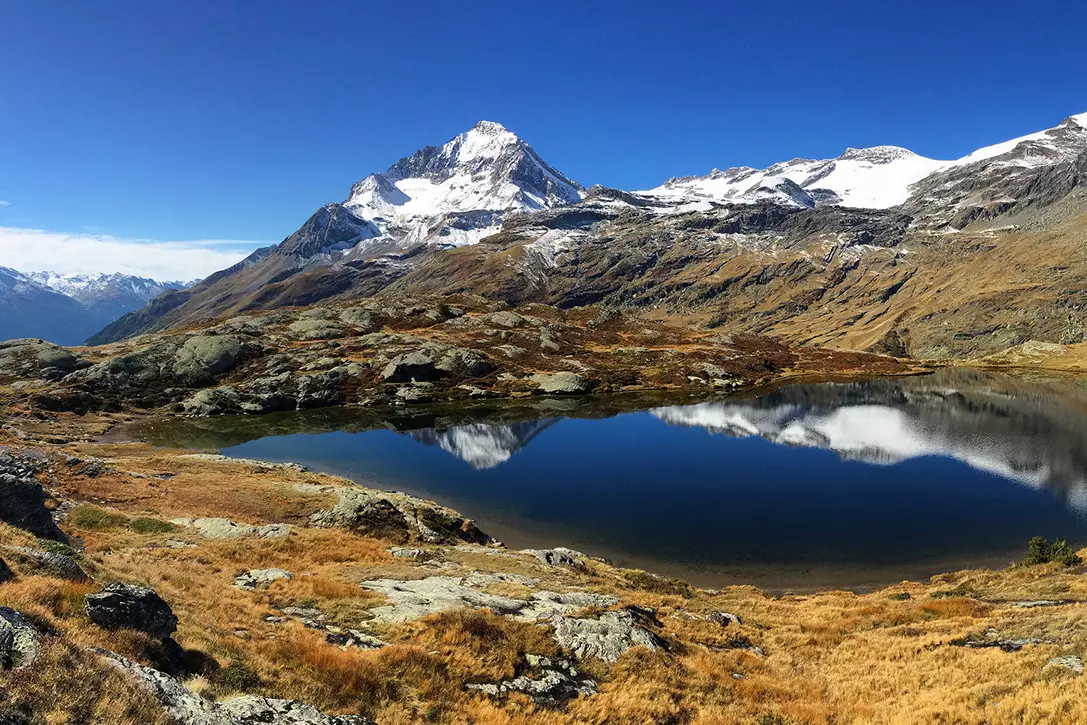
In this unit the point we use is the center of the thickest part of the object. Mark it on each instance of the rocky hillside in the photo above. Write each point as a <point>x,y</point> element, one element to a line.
<point>401,352</point>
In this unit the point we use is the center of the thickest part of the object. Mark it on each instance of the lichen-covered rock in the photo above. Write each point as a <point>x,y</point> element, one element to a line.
<point>1070,663</point>
<point>189,708</point>
<point>606,637</point>
<point>124,606</point>
<point>214,401</point>
<point>20,640</point>
<point>398,518</point>
<point>549,688</point>
<point>316,330</point>
<point>46,563</point>
<point>464,363</point>
<point>202,358</point>
<point>563,383</point>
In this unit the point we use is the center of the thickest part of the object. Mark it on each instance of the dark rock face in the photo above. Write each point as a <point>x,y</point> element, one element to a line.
<point>6,574</point>
<point>413,366</point>
<point>20,641</point>
<point>331,228</point>
<point>123,606</point>
<point>23,500</point>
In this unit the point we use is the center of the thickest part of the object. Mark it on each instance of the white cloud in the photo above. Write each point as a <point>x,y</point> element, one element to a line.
<point>4,203</point>
<point>32,250</point>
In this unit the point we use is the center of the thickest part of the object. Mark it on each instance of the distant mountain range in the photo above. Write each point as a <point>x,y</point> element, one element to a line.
<point>67,309</point>
<point>912,252</point>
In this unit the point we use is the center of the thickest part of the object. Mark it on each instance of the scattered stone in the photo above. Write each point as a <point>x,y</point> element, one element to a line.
<point>20,640</point>
<point>46,563</point>
<point>261,578</point>
<point>189,708</point>
<point>992,639</point>
<point>564,383</point>
<point>550,688</point>
<point>348,638</point>
<point>1038,603</point>
<point>724,618</point>
<point>506,319</point>
<point>124,606</point>
<point>216,528</point>
<point>418,598</point>
<point>606,637</point>
<point>1072,663</point>
<point>559,556</point>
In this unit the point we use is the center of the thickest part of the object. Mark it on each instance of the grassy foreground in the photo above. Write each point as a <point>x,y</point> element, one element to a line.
<point>891,656</point>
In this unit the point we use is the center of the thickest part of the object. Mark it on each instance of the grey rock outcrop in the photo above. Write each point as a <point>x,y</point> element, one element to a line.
<point>1071,663</point>
<point>559,556</point>
<point>30,358</point>
<point>724,618</point>
<point>124,606</point>
<point>188,708</point>
<point>218,528</point>
<point>398,518</point>
<point>551,687</point>
<point>418,598</point>
<point>20,640</point>
<point>606,637</point>
<point>564,383</point>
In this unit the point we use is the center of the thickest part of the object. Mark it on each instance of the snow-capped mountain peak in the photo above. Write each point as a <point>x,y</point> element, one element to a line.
<point>438,193</point>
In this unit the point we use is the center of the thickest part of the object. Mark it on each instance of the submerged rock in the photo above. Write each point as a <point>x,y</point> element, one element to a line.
<point>124,606</point>
<point>20,640</point>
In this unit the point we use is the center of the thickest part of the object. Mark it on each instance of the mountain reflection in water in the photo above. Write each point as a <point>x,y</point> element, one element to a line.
<point>799,487</point>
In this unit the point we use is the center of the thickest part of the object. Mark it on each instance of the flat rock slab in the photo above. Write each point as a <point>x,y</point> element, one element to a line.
<point>418,598</point>
<point>215,528</point>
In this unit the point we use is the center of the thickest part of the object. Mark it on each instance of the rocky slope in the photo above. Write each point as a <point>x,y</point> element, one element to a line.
<point>400,352</point>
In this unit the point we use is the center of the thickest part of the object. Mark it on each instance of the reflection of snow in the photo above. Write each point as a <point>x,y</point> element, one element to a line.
<point>879,434</point>
<point>482,445</point>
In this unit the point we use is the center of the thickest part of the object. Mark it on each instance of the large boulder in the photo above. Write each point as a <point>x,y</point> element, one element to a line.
<point>564,383</point>
<point>124,606</point>
<point>202,358</point>
<point>20,640</point>
<point>414,366</point>
<point>23,500</point>
<point>311,329</point>
<point>467,363</point>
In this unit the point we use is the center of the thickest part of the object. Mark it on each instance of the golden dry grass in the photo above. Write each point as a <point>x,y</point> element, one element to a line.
<point>830,657</point>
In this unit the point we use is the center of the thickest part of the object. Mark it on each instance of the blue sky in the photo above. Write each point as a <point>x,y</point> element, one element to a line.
<point>204,120</point>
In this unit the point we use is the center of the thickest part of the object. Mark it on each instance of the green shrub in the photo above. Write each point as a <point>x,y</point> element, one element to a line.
<point>237,677</point>
<point>92,517</point>
<point>146,525</point>
<point>1041,551</point>
<point>56,547</point>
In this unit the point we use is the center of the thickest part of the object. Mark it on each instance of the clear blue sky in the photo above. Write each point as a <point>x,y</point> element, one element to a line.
<point>235,120</point>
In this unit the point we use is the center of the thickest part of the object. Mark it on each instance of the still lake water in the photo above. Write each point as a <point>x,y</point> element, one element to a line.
<point>801,487</point>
